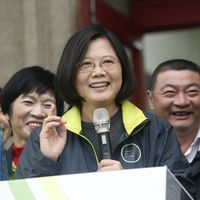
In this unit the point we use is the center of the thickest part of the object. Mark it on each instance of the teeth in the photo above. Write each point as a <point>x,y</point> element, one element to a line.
<point>181,114</point>
<point>35,124</point>
<point>96,85</point>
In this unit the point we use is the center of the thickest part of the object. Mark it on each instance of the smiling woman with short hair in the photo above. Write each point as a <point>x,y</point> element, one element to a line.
<point>26,100</point>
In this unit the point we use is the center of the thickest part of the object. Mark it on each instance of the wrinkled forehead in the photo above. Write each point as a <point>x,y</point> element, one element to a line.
<point>177,77</point>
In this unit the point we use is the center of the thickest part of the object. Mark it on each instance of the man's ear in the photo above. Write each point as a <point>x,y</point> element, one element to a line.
<point>150,99</point>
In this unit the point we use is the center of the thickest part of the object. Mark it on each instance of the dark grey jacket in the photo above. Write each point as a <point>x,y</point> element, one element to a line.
<point>149,142</point>
<point>195,171</point>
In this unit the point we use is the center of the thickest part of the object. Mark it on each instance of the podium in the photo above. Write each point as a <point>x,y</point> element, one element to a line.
<point>156,183</point>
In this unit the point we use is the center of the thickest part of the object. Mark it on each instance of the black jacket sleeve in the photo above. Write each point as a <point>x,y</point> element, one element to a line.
<point>168,152</point>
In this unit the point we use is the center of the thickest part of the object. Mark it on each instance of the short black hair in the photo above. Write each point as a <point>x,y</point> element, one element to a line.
<point>173,64</point>
<point>26,80</point>
<point>74,52</point>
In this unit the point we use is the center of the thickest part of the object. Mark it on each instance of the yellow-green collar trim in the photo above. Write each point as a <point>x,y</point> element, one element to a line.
<point>132,116</point>
<point>73,120</point>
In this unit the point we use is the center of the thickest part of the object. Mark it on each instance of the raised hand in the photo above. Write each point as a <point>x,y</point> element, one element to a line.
<point>53,135</point>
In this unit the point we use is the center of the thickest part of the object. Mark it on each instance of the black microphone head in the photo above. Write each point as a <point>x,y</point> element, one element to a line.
<point>101,120</point>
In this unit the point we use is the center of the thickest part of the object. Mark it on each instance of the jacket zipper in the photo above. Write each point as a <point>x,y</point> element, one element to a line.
<point>97,160</point>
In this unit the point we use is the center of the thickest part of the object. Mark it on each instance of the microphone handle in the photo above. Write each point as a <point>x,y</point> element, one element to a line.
<point>105,145</point>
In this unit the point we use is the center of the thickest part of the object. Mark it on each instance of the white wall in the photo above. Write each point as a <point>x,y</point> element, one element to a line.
<point>160,46</point>
<point>34,32</point>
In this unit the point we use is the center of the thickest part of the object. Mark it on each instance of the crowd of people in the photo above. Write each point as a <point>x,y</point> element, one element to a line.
<point>95,72</point>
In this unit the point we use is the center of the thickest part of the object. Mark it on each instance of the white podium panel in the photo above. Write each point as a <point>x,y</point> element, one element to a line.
<point>156,183</point>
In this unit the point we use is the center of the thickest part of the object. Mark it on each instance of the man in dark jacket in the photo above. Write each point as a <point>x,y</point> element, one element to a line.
<point>174,94</point>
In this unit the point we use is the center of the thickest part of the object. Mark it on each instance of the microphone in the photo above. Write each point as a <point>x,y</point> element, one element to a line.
<point>101,121</point>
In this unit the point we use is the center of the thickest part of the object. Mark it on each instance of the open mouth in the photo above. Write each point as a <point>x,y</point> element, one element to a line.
<point>34,125</point>
<point>99,84</point>
<point>181,114</point>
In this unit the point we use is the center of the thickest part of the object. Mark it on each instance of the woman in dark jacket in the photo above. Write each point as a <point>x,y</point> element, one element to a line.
<point>95,72</point>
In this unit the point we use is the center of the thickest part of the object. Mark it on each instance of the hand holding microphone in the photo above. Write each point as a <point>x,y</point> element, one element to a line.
<point>101,122</point>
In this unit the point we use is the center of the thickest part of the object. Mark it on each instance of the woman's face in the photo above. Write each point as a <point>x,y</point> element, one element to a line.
<point>28,112</point>
<point>4,124</point>
<point>98,85</point>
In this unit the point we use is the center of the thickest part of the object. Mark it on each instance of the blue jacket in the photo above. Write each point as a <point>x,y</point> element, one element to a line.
<point>3,162</point>
<point>149,142</point>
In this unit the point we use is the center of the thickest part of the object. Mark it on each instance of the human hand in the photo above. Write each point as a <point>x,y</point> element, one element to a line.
<point>52,142</point>
<point>109,165</point>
